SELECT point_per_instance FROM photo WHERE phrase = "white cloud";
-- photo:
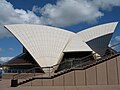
(5, 59)
(106, 4)
(11, 49)
(4, 32)
(117, 38)
(66, 13)
(63, 13)
(9, 15)
(36, 9)
(0, 49)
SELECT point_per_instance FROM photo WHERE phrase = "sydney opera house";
(65, 54)
(48, 46)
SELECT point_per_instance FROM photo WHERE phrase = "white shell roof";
(44, 43)
(97, 31)
(76, 44)
(98, 37)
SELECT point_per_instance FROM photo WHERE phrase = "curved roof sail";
(44, 43)
(98, 37)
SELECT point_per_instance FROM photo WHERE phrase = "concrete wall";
(5, 85)
(106, 73)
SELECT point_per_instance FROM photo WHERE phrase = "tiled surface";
(44, 43)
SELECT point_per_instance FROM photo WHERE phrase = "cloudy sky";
(72, 15)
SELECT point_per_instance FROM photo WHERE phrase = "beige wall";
(106, 73)
(91, 76)
(101, 74)
(5, 85)
(58, 81)
(112, 72)
(80, 77)
(118, 66)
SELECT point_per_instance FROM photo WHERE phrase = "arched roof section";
(97, 31)
(44, 43)
(77, 45)
(98, 37)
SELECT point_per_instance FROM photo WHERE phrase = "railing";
(28, 72)
(15, 70)
(69, 64)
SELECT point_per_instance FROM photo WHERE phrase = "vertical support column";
(112, 72)
(91, 76)
(58, 81)
(47, 82)
(118, 66)
(80, 77)
(69, 79)
(37, 82)
(101, 74)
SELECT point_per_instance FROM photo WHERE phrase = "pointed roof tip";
(116, 23)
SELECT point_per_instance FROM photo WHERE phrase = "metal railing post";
(71, 64)
(49, 71)
(34, 71)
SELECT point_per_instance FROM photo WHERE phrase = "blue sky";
(80, 14)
